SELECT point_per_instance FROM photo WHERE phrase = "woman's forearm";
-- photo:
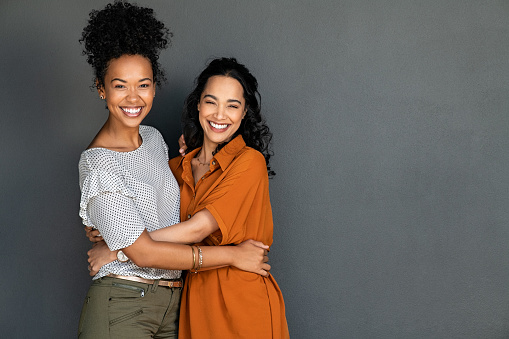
(248, 256)
(145, 252)
(191, 231)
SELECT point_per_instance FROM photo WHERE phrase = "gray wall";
(391, 139)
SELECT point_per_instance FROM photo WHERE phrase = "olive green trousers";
(118, 308)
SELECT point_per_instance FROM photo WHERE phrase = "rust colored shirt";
(228, 302)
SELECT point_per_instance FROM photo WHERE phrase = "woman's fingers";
(182, 145)
(95, 236)
(264, 271)
(258, 244)
(92, 234)
(266, 267)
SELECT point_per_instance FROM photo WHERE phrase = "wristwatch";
(121, 256)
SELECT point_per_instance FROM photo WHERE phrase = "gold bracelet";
(200, 261)
(194, 258)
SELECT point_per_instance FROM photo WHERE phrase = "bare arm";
(194, 230)
(145, 252)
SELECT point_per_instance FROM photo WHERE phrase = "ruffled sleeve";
(108, 203)
(97, 182)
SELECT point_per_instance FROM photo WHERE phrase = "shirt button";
(202, 178)
(213, 162)
(189, 216)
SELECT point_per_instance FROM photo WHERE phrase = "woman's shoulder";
(249, 153)
(150, 132)
(99, 159)
(152, 138)
(94, 153)
(250, 159)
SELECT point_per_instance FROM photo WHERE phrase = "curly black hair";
(253, 128)
(120, 29)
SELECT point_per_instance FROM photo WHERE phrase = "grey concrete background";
(391, 199)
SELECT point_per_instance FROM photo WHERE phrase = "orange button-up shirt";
(228, 302)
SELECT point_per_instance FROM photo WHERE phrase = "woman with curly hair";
(128, 190)
(225, 175)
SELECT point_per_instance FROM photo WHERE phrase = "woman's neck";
(117, 138)
(206, 153)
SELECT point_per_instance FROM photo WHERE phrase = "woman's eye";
(234, 106)
(145, 86)
(209, 102)
(119, 86)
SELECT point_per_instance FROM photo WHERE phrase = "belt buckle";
(172, 283)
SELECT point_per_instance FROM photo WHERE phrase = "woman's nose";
(132, 95)
(220, 112)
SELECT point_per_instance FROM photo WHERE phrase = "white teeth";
(218, 126)
(132, 110)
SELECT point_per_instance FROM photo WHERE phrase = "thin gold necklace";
(201, 163)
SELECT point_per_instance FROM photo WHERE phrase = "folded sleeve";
(238, 200)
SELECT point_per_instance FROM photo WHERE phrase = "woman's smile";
(132, 111)
(218, 127)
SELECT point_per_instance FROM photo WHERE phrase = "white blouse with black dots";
(123, 193)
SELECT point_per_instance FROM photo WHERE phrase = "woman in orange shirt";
(225, 175)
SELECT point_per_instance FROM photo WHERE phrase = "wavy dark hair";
(253, 128)
(120, 29)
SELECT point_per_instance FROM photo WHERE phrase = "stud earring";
(102, 97)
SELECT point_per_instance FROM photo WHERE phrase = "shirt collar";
(224, 157)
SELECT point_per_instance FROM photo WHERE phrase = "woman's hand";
(182, 145)
(252, 256)
(92, 234)
(99, 256)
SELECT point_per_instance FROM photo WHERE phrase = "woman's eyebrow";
(122, 80)
(229, 100)
(234, 100)
(209, 96)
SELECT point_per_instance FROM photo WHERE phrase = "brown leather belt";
(161, 282)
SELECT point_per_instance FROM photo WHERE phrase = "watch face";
(121, 256)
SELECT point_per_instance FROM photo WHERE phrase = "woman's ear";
(100, 90)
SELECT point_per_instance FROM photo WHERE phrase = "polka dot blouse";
(123, 193)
